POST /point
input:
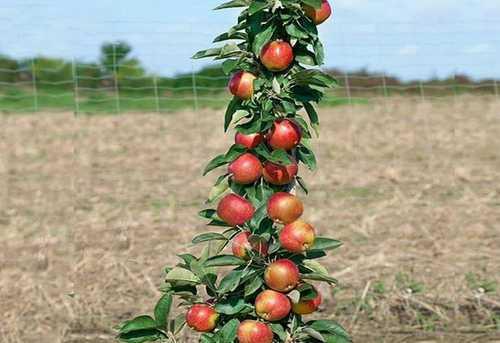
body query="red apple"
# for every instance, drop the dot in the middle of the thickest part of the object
(297, 236)
(280, 175)
(241, 85)
(250, 141)
(282, 275)
(235, 210)
(284, 207)
(307, 306)
(277, 55)
(252, 331)
(246, 169)
(285, 134)
(202, 318)
(272, 306)
(241, 246)
(319, 15)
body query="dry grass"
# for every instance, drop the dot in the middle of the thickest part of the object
(92, 208)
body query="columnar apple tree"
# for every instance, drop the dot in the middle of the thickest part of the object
(266, 250)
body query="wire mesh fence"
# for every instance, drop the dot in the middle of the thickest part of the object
(88, 88)
(413, 48)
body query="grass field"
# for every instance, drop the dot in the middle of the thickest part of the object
(24, 100)
(93, 207)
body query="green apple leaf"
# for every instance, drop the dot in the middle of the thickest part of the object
(218, 190)
(233, 4)
(279, 331)
(257, 6)
(162, 310)
(314, 334)
(233, 106)
(232, 306)
(209, 236)
(262, 38)
(230, 282)
(253, 286)
(207, 53)
(141, 336)
(331, 327)
(181, 274)
(229, 330)
(223, 260)
(325, 243)
(138, 323)
(313, 3)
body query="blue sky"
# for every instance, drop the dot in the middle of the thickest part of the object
(409, 38)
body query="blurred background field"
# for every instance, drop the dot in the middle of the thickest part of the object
(119, 83)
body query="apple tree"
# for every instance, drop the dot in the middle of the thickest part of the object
(268, 253)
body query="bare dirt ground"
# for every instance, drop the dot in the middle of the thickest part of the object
(93, 208)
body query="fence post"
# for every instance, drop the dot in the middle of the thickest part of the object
(117, 88)
(347, 88)
(157, 95)
(195, 91)
(75, 87)
(33, 80)
(385, 93)
(495, 85)
(422, 93)
(455, 87)
(384, 85)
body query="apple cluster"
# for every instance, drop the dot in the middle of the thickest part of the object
(281, 276)
(273, 249)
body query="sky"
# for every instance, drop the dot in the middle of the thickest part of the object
(412, 39)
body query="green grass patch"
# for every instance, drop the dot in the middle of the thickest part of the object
(25, 100)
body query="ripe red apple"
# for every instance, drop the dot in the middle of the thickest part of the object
(272, 306)
(202, 318)
(246, 169)
(307, 306)
(279, 175)
(284, 207)
(277, 55)
(297, 236)
(235, 210)
(241, 85)
(249, 141)
(241, 246)
(319, 15)
(282, 275)
(284, 134)
(252, 331)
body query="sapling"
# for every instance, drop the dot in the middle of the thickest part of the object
(268, 249)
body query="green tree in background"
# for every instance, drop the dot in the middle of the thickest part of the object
(51, 72)
(113, 55)
(89, 75)
(8, 69)
(119, 67)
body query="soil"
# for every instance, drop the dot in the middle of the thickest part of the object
(93, 207)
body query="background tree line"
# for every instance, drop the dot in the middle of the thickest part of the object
(117, 69)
